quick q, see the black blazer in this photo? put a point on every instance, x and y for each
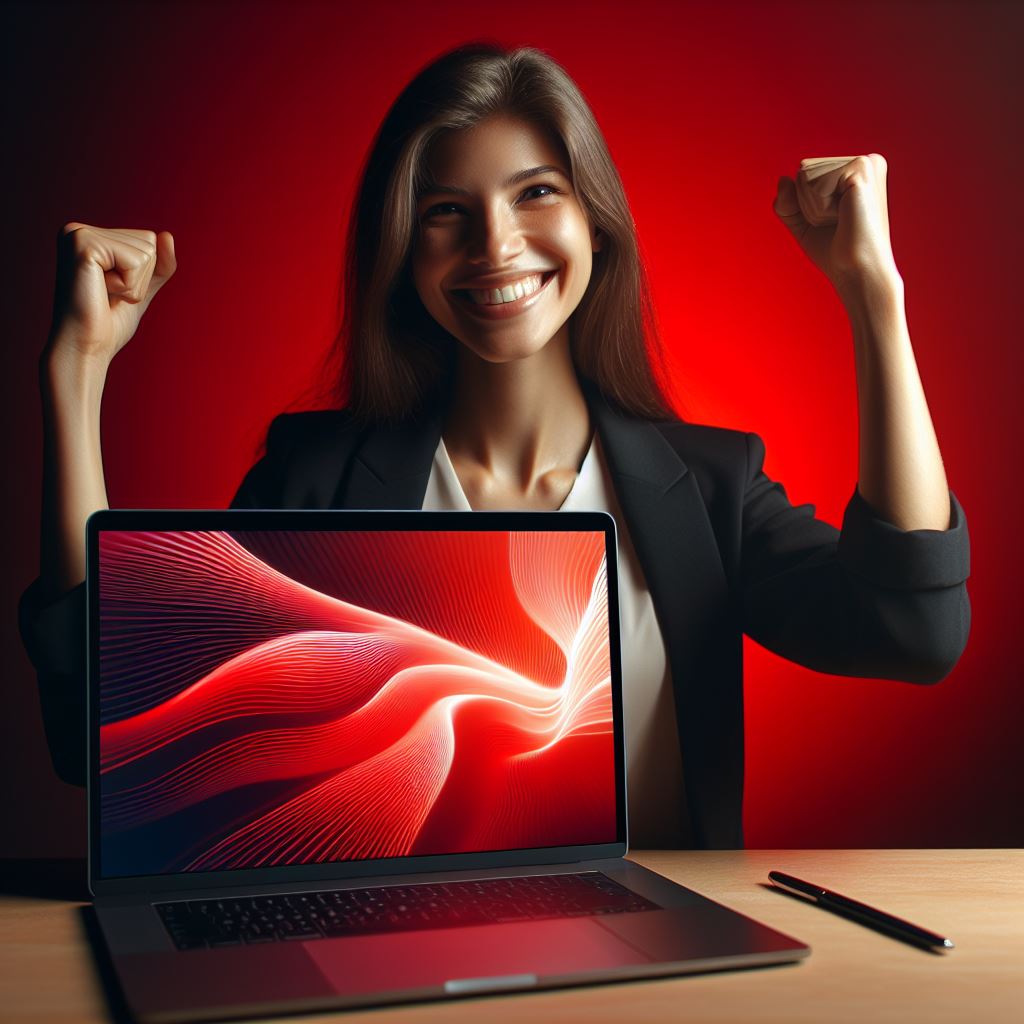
(722, 549)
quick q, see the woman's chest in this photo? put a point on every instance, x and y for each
(486, 493)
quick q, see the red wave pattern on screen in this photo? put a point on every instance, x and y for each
(393, 740)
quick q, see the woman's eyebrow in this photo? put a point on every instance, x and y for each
(431, 187)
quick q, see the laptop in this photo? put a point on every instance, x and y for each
(349, 758)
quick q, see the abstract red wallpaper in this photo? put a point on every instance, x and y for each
(241, 128)
(435, 693)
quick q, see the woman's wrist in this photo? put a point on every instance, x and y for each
(872, 298)
(67, 374)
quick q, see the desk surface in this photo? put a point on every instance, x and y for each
(976, 897)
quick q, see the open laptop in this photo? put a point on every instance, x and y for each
(340, 759)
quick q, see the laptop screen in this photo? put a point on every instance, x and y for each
(286, 697)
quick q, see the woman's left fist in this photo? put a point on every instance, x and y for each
(838, 214)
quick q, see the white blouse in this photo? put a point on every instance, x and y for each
(656, 799)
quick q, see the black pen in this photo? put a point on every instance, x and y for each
(895, 926)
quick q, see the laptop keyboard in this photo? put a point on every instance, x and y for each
(197, 924)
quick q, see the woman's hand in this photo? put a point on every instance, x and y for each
(838, 214)
(106, 279)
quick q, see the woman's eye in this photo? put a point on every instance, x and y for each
(441, 209)
(548, 189)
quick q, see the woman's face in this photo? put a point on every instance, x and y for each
(503, 251)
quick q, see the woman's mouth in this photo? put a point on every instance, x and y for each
(500, 303)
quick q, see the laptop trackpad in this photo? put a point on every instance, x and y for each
(375, 963)
(706, 930)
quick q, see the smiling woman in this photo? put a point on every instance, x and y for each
(498, 352)
(490, 167)
(505, 268)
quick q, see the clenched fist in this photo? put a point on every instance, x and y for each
(837, 210)
(106, 279)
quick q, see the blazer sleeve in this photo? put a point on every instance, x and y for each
(53, 627)
(870, 600)
(53, 634)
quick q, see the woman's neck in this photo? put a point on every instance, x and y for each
(517, 432)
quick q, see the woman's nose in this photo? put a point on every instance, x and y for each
(495, 238)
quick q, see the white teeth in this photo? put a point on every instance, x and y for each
(509, 293)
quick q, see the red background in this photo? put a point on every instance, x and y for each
(241, 127)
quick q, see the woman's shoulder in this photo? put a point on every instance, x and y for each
(704, 445)
(304, 455)
(291, 430)
(702, 436)
(695, 443)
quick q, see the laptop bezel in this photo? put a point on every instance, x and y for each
(328, 520)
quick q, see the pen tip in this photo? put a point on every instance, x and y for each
(948, 943)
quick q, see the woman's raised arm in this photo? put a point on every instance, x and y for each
(106, 279)
(837, 210)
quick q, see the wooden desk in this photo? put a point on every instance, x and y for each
(976, 897)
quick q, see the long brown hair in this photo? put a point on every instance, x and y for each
(391, 356)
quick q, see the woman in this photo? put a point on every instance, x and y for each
(495, 355)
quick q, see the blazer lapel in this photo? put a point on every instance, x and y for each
(671, 532)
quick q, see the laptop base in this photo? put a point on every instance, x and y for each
(688, 934)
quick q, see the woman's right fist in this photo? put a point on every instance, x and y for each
(106, 279)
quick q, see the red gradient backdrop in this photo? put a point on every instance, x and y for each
(241, 128)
